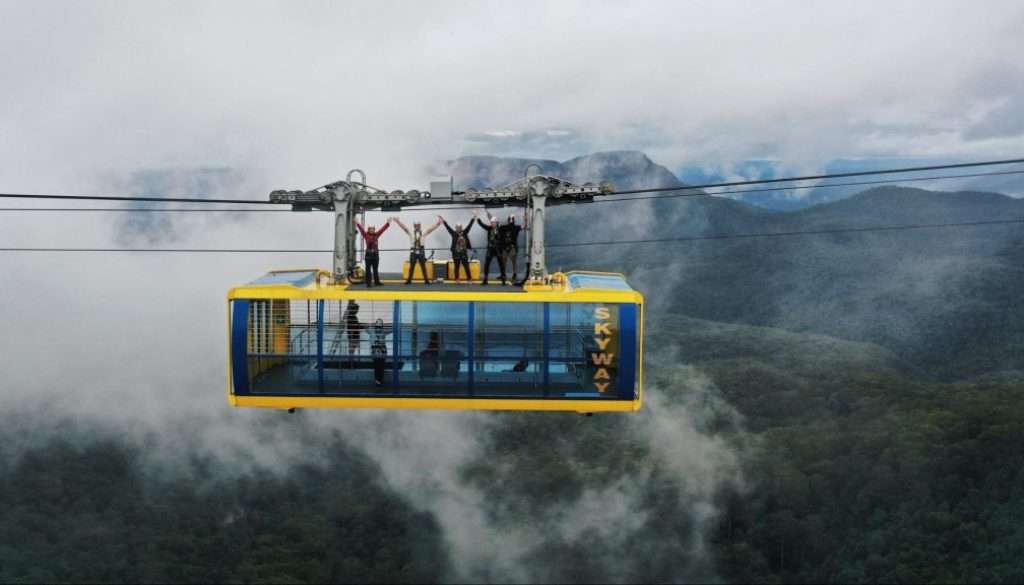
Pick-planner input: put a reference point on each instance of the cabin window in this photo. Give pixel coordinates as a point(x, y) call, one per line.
point(584, 350)
point(436, 349)
point(508, 349)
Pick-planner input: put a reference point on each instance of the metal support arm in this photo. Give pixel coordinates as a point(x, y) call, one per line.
point(539, 189)
point(349, 198)
point(344, 234)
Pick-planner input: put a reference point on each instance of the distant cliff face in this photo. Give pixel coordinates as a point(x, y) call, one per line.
point(626, 169)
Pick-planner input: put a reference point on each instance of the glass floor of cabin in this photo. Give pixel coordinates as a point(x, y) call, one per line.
point(395, 282)
point(357, 379)
point(494, 286)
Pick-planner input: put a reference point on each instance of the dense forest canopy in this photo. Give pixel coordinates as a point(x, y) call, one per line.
point(859, 473)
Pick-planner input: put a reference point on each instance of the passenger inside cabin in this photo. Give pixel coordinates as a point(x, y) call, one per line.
point(379, 349)
point(429, 356)
point(520, 366)
point(353, 326)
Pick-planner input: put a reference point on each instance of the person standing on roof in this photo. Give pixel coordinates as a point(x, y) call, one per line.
point(509, 236)
point(493, 246)
point(460, 246)
point(417, 251)
point(372, 256)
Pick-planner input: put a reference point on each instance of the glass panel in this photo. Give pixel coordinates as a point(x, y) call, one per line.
point(584, 352)
point(356, 346)
point(290, 352)
point(434, 349)
point(508, 349)
point(282, 347)
point(599, 281)
point(297, 278)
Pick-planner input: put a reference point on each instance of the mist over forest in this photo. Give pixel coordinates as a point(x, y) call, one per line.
point(838, 407)
point(833, 374)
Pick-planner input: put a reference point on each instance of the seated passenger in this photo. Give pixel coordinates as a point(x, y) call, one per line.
point(451, 364)
point(520, 366)
point(428, 364)
point(428, 357)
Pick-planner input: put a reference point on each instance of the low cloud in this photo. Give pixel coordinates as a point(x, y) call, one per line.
point(1003, 121)
point(501, 533)
point(156, 228)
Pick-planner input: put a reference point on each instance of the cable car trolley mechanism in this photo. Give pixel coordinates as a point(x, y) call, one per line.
point(317, 339)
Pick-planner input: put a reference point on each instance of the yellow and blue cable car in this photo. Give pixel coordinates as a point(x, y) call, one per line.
point(318, 339)
point(299, 339)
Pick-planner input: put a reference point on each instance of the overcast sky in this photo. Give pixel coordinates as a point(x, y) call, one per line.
point(302, 91)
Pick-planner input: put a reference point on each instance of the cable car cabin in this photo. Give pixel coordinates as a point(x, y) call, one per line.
point(297, 341)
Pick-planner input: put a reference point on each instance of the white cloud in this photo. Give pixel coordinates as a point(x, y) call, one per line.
point(503, 133)
point(307, 91)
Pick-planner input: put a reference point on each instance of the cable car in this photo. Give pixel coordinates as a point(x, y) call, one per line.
point(299, 341)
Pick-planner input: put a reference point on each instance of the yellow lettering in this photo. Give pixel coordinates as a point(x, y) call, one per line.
point(602, 359)
point(602, 329)
point(602, 314)
point(602, 344)
point(602, 374)
point(601, 386)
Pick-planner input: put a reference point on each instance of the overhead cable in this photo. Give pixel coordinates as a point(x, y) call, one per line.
point(626, 192)
point(849, 230)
